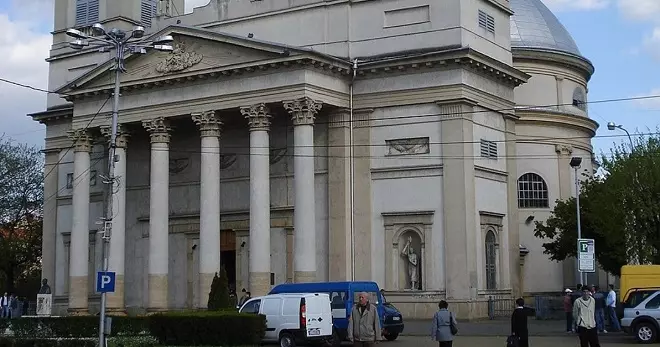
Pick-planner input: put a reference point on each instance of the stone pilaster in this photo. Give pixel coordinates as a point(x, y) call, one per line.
point(459, 208)
point(159, 130)
point(303, 112)
point(79, 264)
point(117, 254)
point(51, 187)
point(362, 201)
point(339, 196)
point(513, 224)
point(566, 184)
point(258, 117)
point(209, 212)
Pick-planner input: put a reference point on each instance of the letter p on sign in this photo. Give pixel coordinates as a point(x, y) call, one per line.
point(105, 282)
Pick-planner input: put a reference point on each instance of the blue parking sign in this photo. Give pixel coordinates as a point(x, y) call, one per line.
point(105, 282)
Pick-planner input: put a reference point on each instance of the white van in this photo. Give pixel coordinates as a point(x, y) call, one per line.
point(293, 318)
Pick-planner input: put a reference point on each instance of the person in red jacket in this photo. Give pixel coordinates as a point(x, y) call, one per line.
point(568, 309)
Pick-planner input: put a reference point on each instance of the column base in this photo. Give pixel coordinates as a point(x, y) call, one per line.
point(259, 283)
point(304, 276)
point(158, 293)
point(115, 301)
point(78, 295)
point(78, 312)
point(205, 281)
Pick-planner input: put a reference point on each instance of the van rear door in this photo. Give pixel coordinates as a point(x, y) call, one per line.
point(319, 315)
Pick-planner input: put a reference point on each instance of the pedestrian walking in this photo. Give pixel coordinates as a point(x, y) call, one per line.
point(610, 302)
point(364, 323)
point(584, 313)
point(568, 310)
point(443, 324)
point(519, 327)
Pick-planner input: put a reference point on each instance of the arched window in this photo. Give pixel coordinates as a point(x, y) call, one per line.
point(491, 260)
point(579, 100)
point(532, 191)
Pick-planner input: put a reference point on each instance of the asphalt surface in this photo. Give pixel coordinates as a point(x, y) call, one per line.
point(492, 341)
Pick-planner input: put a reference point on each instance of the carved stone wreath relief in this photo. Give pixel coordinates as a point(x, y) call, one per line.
point(180, 59)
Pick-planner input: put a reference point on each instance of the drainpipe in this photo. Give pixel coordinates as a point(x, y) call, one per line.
point(352, 168)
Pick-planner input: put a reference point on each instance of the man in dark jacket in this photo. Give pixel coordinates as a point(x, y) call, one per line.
point(519, 323)
point(600, 308)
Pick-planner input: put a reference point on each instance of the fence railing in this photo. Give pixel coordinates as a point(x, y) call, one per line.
point(549, 307)
point(500, 306)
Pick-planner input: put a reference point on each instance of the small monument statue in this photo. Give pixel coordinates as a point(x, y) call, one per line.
point(409, 252)
point(44, 299)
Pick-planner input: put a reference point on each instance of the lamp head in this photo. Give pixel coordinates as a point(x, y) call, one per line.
point(575, 162)
point(611, 126)
point(78, 44)
point(76, 34)
point(164, 40)
point(138, 32)
point(98, 29)
point(164, 48)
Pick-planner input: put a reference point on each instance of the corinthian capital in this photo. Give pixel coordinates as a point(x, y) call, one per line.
point(258, 116)
point(303, 110)
point(122, 134)
point(82, 140)
point(208, 122)
point(159, 128)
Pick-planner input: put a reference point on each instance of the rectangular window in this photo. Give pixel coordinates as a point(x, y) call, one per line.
point(488, 149)
point(148, 12)
point(486, 21)
point(87, 12)
point(69, 180)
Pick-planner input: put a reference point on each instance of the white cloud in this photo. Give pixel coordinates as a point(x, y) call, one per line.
point(24, 46)
point(640, 9)
point(190, 4)
point(569, 5)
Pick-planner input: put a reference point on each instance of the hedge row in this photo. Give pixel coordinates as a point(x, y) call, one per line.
point(137, 341)
point(172, 328)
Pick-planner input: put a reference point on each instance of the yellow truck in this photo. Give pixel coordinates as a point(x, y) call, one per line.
point(638, 277)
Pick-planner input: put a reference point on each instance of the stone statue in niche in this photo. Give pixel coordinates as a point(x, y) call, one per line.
point(413, 262)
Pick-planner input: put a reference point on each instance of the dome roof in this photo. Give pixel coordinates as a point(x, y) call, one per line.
point(534, 26)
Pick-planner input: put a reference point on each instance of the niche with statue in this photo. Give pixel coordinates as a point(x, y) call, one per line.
point(410, 263)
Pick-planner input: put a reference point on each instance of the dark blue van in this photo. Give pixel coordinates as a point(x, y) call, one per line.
point(342, 297)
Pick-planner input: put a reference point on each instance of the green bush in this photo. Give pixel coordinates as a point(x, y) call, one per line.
point(132, 341)
point(208, 328)
point(219, 295)
point(75, 327)
point(6, 342)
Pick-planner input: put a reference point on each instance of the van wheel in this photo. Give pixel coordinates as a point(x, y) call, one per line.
point(336, 341)
point(391, 337)
point(286, 340)
point(645, 332)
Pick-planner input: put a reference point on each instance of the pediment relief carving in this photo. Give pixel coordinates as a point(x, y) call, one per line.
point(190, 54)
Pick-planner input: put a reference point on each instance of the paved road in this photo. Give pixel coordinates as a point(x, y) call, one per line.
point(490, 341)
point(497, 327)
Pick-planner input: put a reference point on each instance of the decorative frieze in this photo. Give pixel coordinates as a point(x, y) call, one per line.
point(339, 118)
point(227, 160)
point(303, 111)
point(159, 128)
point(277, 154)
point(82, 140)
point(564, 150)
point(258, 116)
point(208, 122)
point(408, 146)
point(122, 135)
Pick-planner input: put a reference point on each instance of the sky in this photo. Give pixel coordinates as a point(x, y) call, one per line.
point(620, 37)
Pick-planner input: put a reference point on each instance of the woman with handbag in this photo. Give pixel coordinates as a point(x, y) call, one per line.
point(444, 325)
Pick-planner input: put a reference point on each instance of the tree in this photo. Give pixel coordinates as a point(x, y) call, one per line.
point(219, 295)
point(21, 201)
point(621, 211)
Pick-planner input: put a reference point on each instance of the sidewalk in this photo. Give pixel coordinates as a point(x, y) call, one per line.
point(496, 327)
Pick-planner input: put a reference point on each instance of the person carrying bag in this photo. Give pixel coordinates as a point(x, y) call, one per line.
point(444, 325)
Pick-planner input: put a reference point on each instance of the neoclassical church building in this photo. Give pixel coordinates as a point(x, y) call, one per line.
point(410, 142)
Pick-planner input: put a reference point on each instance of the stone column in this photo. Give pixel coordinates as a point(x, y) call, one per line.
point(303, 111)
point(48, 247)
point(458, 192)
point(258, 117)
point(158, 213)
point(339, 196)
point(209, 206)
point(79, 264)
point(117, 254)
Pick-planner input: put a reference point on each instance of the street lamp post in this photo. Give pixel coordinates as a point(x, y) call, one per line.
point(122, 42)
point(612, 126)
point(575, 164)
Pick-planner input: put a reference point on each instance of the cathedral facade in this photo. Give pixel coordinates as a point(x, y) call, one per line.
point(403, 142)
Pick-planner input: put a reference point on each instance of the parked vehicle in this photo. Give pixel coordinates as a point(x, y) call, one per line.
point(343, 295)
point(638, 276)
point(294, 318)
point(641, 312)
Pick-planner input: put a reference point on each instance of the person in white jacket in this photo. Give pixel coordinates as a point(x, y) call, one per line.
point(584, 310)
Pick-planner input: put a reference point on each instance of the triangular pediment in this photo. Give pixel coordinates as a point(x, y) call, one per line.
point(195, 50)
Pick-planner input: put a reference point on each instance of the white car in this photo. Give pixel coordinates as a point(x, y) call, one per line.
point(293, 318)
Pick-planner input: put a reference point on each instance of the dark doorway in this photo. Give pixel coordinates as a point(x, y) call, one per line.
point(228, 261)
